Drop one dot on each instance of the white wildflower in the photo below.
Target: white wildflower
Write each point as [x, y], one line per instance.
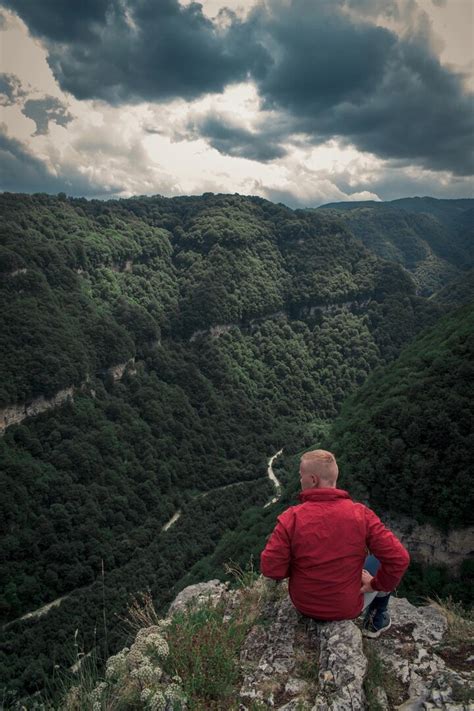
[147, 674]
[145, 695]
[145, 631]
[97, 692]
[164, 624]
[157, 702]
[135, 656]
[174, 693]
[157, 644]
[116, 665]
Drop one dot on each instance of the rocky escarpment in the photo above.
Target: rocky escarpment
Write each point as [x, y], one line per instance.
[305, 311]
[429, 545]
[14, 414]
[289, 662]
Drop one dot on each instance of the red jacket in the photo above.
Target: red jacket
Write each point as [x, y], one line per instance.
[321, 545]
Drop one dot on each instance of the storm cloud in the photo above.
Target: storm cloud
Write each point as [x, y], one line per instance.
[363, 84]
[127, 51]
[230, 138]
[325, 66]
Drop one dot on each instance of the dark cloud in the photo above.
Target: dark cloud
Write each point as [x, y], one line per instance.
[131, 50]
[331, 72]
[44, 110]
[21, 171]
[61, 20]
[11, 90]
[231, 139]
[361, 83]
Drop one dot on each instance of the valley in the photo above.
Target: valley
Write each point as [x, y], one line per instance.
[249, 328]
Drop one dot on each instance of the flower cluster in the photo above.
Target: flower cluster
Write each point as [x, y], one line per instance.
[175, 695]
[146, 674]
[153, 700]
[138, 671]
[116, 665]
[97, 694]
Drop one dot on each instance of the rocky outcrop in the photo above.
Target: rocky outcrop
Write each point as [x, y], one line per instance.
[289, 662]
[116, 372]
[305, 311]
[431, 546]
[14, 414]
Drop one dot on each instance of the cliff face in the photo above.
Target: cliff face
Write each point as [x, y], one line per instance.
[286, 661]
[14, 414]
[431, 546]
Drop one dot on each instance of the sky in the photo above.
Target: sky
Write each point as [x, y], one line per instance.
[299, 101]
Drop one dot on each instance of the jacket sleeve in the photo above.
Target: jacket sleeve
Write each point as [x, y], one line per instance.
[393, 556]
[276, 556]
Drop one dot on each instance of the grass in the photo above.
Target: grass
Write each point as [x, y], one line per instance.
[204, 651]
[460, 621]
[380, 676]
[140, 613]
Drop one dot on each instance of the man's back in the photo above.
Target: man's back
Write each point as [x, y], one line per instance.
[322, 544]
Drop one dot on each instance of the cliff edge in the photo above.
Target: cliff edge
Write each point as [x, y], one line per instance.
[249, 649]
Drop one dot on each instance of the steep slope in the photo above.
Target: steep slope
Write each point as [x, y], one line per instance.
[405, 439]
[433, 239]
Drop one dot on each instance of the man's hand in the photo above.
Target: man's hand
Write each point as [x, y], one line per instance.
[366, 582]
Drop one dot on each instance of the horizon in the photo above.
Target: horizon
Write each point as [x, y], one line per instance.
[299, 102]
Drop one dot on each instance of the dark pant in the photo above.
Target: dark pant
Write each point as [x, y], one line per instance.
[377, 600]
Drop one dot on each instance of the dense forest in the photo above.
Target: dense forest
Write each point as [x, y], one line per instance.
[245, 326]
[431, 238]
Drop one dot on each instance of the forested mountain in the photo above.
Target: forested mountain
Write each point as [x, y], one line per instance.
[431, 238]
[405, 437]
[244, 324]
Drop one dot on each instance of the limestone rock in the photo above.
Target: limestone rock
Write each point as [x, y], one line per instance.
[199, 593]
[342, 667]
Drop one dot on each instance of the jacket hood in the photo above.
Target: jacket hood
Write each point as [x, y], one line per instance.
[328, 494]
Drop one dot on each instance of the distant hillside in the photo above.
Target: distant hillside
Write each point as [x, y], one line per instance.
[457, 292]
[88, 285]
[404, 440]
[433, 239]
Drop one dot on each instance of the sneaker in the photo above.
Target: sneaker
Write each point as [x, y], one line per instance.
[375, 624]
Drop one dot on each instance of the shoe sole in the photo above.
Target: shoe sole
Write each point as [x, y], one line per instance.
[374, 635]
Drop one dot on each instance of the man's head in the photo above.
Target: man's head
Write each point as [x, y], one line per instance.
[318, 469]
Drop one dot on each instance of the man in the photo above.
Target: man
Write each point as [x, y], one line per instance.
[322, 544]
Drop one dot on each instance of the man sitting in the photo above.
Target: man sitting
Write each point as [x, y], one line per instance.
[322, 544]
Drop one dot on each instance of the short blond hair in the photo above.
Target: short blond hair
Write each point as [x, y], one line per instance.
[320, 455]
[322, 463]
